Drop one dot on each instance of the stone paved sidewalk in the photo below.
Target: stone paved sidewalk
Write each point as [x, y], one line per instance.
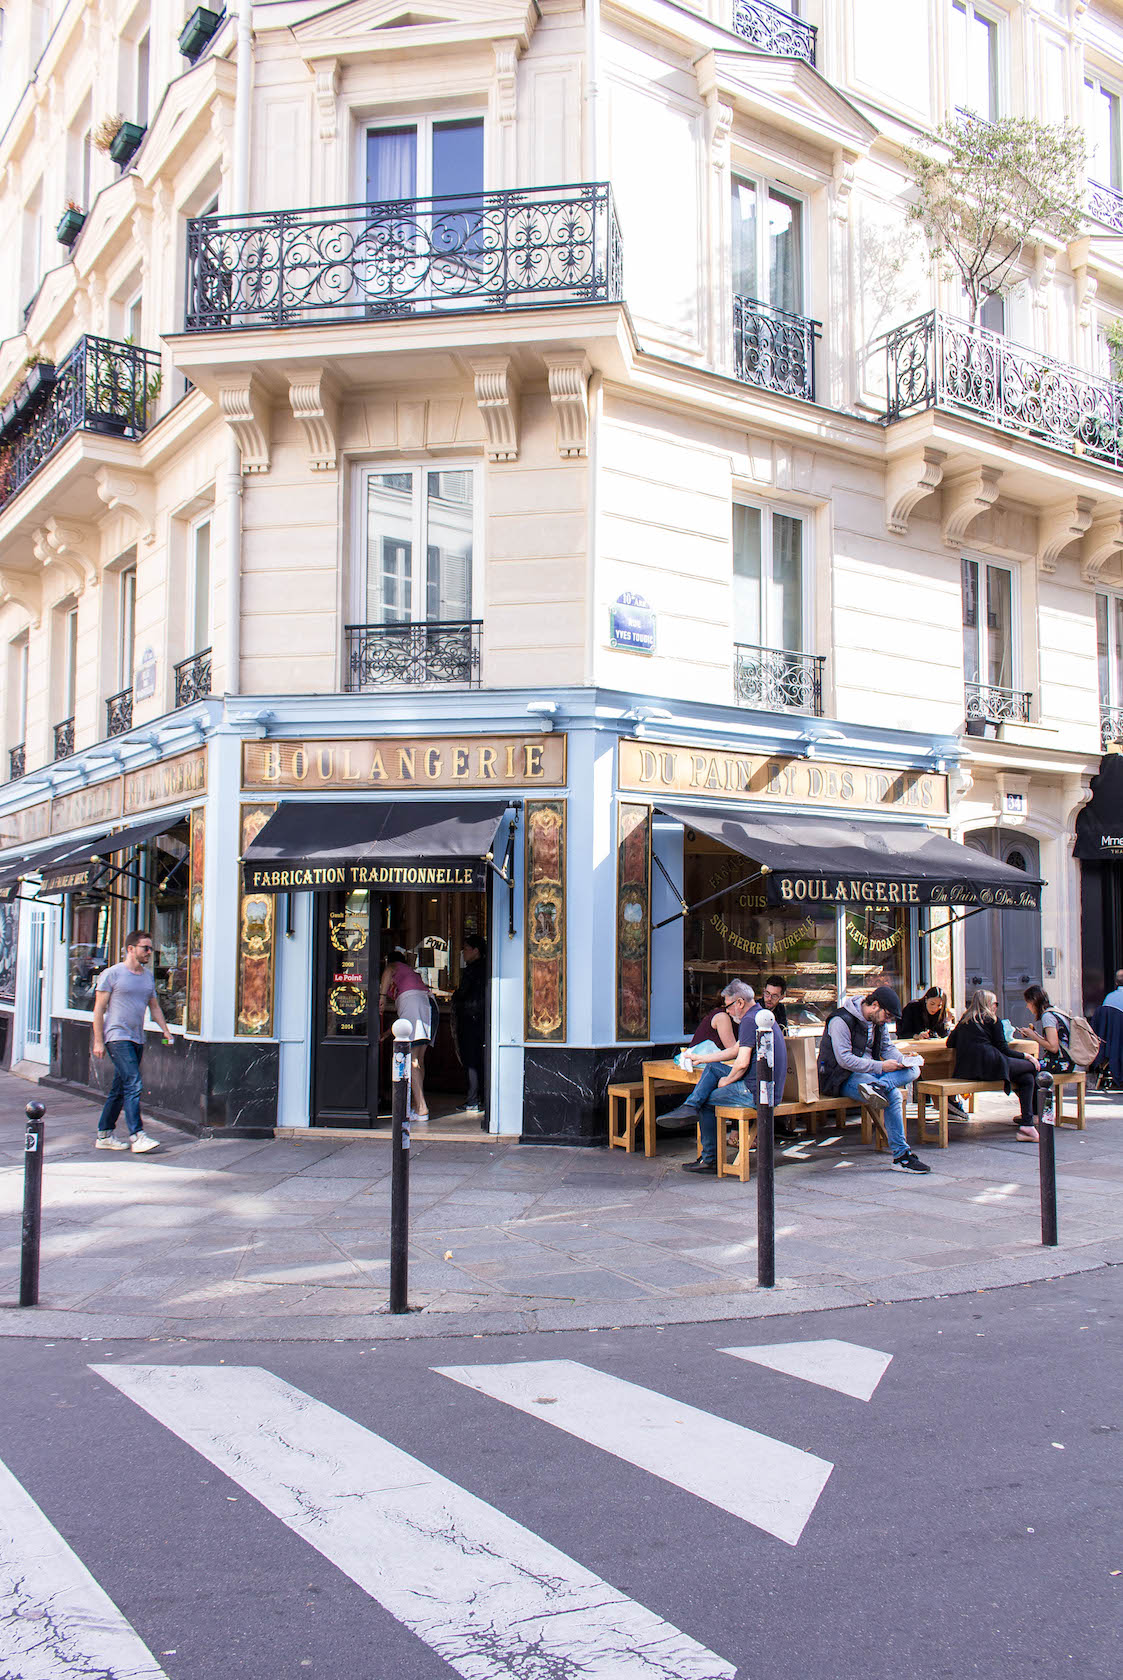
[289, 1239]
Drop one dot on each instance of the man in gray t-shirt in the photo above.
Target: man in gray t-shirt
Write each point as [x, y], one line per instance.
[125, 994]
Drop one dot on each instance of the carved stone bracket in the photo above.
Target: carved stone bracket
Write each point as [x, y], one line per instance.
[246, 411]
[965, 497]
[131, 493]
[1102, 543]
[73, 546]
[506, 80]
[25, 590]
[497, 398]
[842, 180]
[907, 482]
[1060, 526]
[326, 74]
[569, 393]
[315, 404]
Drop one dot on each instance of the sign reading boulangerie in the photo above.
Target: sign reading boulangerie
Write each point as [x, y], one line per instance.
[649, 768]
[411, 762]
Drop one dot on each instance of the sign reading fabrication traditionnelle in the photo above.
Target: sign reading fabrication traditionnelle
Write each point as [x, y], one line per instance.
[408, 763]
[469, 875]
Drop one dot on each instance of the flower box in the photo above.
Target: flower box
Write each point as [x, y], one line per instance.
[198, 31]
[70, 226]
[125, 142]
[40, 379]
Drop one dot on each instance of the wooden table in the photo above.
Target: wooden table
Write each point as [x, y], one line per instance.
[660, 1073]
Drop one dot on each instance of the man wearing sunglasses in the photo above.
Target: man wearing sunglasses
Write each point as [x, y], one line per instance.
[125, 993]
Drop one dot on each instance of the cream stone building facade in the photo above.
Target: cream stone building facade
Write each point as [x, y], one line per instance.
[549, 408]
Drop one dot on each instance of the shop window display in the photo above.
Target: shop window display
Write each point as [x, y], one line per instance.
[88, 948]
[165, 873]
[877, 951]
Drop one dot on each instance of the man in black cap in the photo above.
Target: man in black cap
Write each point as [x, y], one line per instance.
[857, 1059]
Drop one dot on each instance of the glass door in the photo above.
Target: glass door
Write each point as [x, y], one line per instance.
[424, 182]
[37, 1019]
[345, 1011]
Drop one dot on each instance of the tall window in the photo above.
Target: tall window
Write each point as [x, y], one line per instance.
[143, 67]
[18, 670]
[988, 624]
[1105, 141]
[768, 592]
[126, 627]
[424, 159]
[418, 545]
[1109, 649]
[199, 585]
[767, 244]
[973, 67]
[69, 662]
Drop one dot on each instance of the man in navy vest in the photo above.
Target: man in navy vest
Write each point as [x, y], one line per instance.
[858, 1059]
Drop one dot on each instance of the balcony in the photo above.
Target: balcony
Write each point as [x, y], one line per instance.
[119, 713]
[102, 386]
[773, 349]
[1105, 204]
[775, 680]
[938, 362]
[1111, 727]
[986, 707]
[521, 249]
[413, 655]
[17, 762]
[770, 29]
[64, 739]
[193, 678]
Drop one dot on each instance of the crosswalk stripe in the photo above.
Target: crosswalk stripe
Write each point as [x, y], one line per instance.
[489, 1596]
[768, 1483]
[56, 1622]
[843, 1366]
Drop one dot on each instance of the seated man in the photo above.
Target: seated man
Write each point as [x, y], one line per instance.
[737, 1086]
[774, 988]
[857, 1060]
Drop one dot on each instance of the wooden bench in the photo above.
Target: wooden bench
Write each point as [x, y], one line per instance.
[1079, 1078]
[940, 1091]
[625, 1115]
[737, 1165]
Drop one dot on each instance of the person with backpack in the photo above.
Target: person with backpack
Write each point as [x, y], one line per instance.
[1051, 1031]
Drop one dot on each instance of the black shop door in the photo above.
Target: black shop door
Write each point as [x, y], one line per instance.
[345, 974]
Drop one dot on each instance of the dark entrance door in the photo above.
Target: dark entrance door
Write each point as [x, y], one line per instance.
[345, 975]
[1002, 948]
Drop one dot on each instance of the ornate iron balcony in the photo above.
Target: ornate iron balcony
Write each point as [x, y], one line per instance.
[938, 362]
[64, 739]
[772, 30]
[772, 679]
[17, 762]
[102, 386]
[522, 249]
[986, 704]
[1111, 727]
[119, 713]
[773, 349]
[193, 678]
[413, 655]
[1105, 204]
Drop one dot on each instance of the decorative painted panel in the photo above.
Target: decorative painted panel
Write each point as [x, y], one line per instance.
[195, 921]
[257, 924]
[633, 922]
[545, 919]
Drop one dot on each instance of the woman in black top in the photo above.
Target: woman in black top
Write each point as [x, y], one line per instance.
[981, 1052]
[925, 1017]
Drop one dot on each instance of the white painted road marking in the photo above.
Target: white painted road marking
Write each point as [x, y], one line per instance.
[490, 1597]
[843, 1366]
[55, 1621]
[767, 1483]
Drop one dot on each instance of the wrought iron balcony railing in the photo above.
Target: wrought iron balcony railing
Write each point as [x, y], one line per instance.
[522, 249]
[119, 713]
[773, 349]
[773, 679]
[1111, 727]
[413, 655]
[64, 739]
[987, 704]
[102, 386]
[772, 30]
[17, 762]
[193, 678]
[1105, 204]
[938, 362]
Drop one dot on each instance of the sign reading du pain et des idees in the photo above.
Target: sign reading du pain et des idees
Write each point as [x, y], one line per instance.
[402, 763]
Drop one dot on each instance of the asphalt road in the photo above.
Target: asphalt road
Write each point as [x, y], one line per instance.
[643, 1504]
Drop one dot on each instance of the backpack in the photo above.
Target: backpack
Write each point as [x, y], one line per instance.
[1083, 1045]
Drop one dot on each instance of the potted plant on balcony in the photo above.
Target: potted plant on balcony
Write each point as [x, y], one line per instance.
[41, 376]
[5, 471]
[118, 137]
[198, 31]
[70, 223]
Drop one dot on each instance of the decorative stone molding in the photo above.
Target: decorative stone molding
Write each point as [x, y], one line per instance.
[326, 76]
[842, 178]
[246, 411]
[506, 79]
[907, 482]
[965, 497]
[75, 545]
[1044, 273]
[1060, 526]
[315, 404]
[569, 393]
[1102, 543]
[23, 590]
[720, 120]
[130, 493]
[497, 398]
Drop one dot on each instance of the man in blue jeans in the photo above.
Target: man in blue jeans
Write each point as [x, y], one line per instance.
[858, 1059]
[730, 1078]
[125, 993]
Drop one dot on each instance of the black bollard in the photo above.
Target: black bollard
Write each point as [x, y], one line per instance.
[765, 1155]
[399, 1172]
[1047, 1163]
[32, 1205]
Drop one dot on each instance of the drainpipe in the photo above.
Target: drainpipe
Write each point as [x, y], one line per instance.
[592, 88]
[240, 203]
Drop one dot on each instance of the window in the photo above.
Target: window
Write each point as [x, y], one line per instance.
[767, 244]
[988, 624]
[199, 585]
[69, 661]
[126, 626]
[164, 871]
[31, 255]
[419, 529]
[974, 60]
[1105, 148]
[424, 159]
[768, 592]
[133, 319]
[19, 654]
[143, 54]
[87, 954]
[1109, 649]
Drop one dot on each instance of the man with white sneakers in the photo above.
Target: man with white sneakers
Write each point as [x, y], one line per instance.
[125, 993]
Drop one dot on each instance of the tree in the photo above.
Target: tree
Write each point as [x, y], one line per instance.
[986, 188]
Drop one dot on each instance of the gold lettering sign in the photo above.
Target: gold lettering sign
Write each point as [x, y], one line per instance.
[99, 803]
[297, 877]
[413, 762]
[32, 823]
[649, 768]
[165, 783]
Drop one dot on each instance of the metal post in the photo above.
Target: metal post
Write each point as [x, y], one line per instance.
[765, 1155]
[399, 1174]
[32, 1205]
[1047, 1171]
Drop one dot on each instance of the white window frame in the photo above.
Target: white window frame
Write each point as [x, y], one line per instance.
[983, 561]
[190, 626]
[765, 184]
[1114, 696]
[999, 90]
[767, 510]
[126, 626]
[17, 718]
[424, 123]
[363, 473]
[1094, 84]
[70, 662]
[132, 312]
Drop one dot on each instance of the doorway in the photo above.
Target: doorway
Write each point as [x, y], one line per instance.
[37, 1014]
[1002, 948]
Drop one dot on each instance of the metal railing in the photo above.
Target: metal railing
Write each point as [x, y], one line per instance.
[772, 30]
[520, 249]
[774, 349]
[936, 361]
[987, 704]
[64, 739]
[102, 386]
[1105, 204]
[413, 655]
[17, 762]
[774, 679]
[1111, 727]
[193, 678]
[119, 713]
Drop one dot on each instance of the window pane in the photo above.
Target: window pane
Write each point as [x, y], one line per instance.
[71, 661]
[458, 157]
[1116, 674]
[389, 579]
[391, 164]
[748, 623]
[448, 572]
[744, 238]
[785, 254]
[993, 314]
[785, 615]
[971, 621]
[88, 951]
[999, 627]
[1103, 650]
[877, 950]
[165, 865]
[128, 627]
[202, 585]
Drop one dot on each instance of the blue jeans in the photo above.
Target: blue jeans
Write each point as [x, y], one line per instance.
[894, 1116]
[126, 1087]
[741, 1094]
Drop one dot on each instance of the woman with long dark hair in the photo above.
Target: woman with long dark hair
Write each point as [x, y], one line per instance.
[926, 1016]
[982, 1053]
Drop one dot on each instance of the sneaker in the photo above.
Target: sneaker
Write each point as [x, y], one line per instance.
[956, 1110]
[700, 1166]
[142, 1143]
[873, 1096]
[685, 1111]
[110, 1140]
[908, 1162]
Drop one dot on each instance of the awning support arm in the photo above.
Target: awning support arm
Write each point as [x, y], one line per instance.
[661, 867]
[689, 909]
[955, 921]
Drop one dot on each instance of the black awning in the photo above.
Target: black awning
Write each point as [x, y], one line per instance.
[393, 846]
[80, 865]
[1099, 824]
[834, 860]
[59, 855]
[124, 838]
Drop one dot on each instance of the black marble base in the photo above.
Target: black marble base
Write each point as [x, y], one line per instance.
[565, 1089]
[205, 1089]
